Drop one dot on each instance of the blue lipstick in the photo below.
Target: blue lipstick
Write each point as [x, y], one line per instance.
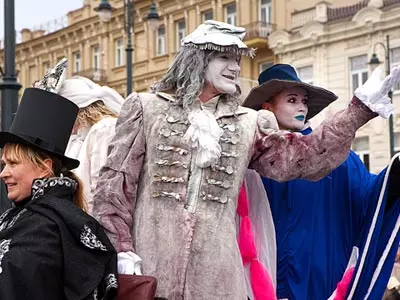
[299, 117]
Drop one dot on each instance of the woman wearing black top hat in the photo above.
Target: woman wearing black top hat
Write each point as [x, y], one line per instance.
[49, 247]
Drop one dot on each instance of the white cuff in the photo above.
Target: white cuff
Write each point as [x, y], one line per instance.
[129, 263]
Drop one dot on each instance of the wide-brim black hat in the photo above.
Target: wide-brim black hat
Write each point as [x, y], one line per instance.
[280, 77]
[44, 120]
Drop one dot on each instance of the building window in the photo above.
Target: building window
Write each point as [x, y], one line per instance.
[265, 65]
[119, 52]
[230, 14]
[395, 61]
[358, 71]
[96, 57]
[208, 15]
[306, 74]
[396, 142]
[46, 66]
[180, 33]
[161, 41]
[32, 74]
[266, 11]
[361, 148]
[77, 62]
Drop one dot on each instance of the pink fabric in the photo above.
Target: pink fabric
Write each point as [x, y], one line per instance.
[261, 282]
[343, 285]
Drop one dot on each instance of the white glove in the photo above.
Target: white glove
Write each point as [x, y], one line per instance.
[373, 93]
[129, 263]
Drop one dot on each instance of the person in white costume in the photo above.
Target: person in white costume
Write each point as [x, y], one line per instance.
[99, 107]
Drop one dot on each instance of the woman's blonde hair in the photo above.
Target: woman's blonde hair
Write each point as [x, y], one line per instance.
[93, 113]
[20, 152]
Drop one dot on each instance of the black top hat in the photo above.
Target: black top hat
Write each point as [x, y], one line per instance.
[279, 77]
[44, 120]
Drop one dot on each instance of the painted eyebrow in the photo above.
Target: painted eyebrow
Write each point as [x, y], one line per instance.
[305, 96]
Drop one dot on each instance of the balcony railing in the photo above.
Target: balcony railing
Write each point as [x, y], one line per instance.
[299, 18]
[97, 75]
[258, 30]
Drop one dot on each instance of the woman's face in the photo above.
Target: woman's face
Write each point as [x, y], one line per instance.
[290, 108]
[18, 175]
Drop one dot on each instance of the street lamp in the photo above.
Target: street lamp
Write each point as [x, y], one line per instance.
[104, 11]
[374, 62]
[8, 85]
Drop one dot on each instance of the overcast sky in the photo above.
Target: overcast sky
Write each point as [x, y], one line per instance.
[31, 13]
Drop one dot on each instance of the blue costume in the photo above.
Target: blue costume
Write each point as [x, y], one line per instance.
[318, 223]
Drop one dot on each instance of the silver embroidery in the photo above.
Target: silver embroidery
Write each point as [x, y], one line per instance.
[224, 199]
[4, 248]
[167, 132]
[90, 240]
[230, 140]
[111, 282]
[39, 185]
[166, 179]
[157, 194]
[10, 223]
[230, 127]
[95, 294]
[229, 154]
[228, 170]
[4, 214]
[165, 162]
[171, 119]
[172, 148]
[222, 183]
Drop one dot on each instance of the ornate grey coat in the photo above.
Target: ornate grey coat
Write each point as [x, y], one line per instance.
[181, 220]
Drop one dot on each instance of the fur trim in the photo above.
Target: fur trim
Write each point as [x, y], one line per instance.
[250, 52]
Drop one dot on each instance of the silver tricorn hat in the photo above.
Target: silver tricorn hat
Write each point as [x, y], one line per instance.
[218, 36]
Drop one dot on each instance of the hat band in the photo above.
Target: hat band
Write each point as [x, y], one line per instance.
[45, 145]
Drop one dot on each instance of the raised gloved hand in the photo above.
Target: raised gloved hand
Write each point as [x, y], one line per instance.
[374, 92]
[129, 263]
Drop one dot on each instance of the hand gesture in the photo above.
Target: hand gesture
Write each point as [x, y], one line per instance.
[374, 92]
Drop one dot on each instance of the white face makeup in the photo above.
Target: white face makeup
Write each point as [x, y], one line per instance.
[290, 108]
[222, 73]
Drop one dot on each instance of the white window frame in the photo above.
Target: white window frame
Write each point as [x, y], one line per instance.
[396, 142]
[161, 47]
[231, 18]
[119, 52]
[363, 153]
[96, 57]
[45, 66]
[265, 12]
[180, 27]
[205, 13]
[306, 74]
[265, 65]
[361, 73]
[395, 61]
[77, 62]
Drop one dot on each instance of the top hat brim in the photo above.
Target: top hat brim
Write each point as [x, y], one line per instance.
[318, 98]
[7, 137]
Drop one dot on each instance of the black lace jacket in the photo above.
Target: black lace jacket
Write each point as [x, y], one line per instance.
[51, 249]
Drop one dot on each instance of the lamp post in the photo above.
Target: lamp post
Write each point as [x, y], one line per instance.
[104, 11]
[9, 86]
[374, 62]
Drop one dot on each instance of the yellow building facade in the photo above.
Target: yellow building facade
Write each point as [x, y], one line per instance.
[97, 50]
[330, 44]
